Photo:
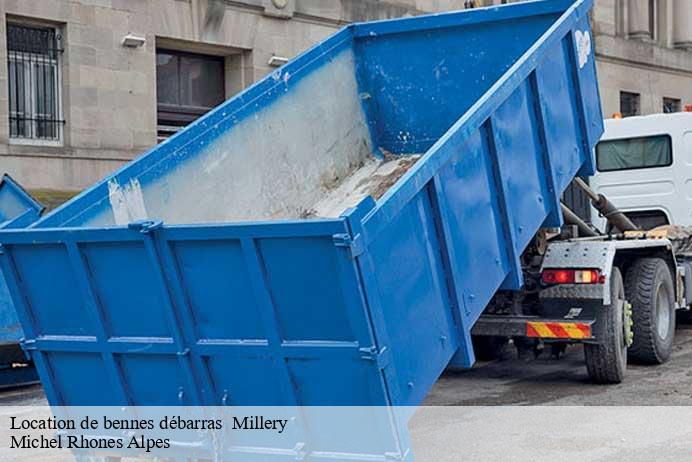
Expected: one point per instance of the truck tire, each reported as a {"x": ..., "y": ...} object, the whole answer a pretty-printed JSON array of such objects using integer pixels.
[
  {"x": 649, "y": 288},
  {"x": 488, "y": 348},
  {"x": 606, "y": 362}
]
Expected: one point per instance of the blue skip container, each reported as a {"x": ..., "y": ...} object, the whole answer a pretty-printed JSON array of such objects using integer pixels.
[
  {"x": 17, "y": 210},
  {"x": 330, "y": 235}
]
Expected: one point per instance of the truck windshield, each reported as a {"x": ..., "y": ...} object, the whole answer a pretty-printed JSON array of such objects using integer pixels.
[{"x": 634, "y": 153}]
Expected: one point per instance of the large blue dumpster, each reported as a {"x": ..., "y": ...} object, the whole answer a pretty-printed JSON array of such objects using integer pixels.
[
  {"x": 330, "y": 235},
  {"x": 17, "y": 210}
]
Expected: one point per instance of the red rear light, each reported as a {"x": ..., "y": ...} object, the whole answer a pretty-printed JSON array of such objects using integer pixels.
[
  {"x": 562, "y": 276},
  {"x": 572, "y": 276}
]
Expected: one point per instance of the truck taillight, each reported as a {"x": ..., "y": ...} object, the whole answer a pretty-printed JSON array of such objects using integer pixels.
[{"x": 572, "y": 276}]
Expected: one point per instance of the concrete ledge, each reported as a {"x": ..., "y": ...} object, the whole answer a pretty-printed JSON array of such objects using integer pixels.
[{"x": 643, "y": 54}]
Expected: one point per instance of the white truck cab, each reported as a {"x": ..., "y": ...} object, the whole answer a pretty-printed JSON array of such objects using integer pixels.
[{"x": 644, "y": 166}]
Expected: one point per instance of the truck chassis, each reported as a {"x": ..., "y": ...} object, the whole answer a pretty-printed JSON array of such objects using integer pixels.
[{"x": 616, "y": 294}]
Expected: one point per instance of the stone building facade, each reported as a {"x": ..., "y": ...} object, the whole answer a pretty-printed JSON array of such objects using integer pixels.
[
  {"x": 87, "y": 85},
  {"x": 643, "y": 50}
]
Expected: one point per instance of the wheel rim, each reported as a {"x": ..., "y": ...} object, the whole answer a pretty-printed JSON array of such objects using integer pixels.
[{"x": 662, "y": 312}]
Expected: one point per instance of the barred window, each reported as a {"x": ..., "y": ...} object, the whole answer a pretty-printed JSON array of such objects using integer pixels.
[{"x": 33, "y": 55}]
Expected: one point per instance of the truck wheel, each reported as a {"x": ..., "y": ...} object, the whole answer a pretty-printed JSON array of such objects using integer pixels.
[
  {"x": 607, "y": 361},
  {"x": 649, "y": 288},
  {"x": 488, "y": 348}
]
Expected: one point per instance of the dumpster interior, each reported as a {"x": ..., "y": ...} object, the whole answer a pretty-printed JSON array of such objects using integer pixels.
[
  {"x": 307, "y": 155},
  {"x": 277, "y": 164},
  {"x": 315, "y": 136},
  {"x": 373, "y": 178}
]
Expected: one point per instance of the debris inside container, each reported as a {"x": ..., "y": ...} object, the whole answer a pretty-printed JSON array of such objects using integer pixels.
[{"x": 373, "y": 178}]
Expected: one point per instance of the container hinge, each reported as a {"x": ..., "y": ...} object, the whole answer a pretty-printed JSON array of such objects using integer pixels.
[
  {"x": 355, "y": 244},
  {"x": 28, "y": 345},
  {"x": 380, "y": 357},
  {"x": 145, "y": 226}
]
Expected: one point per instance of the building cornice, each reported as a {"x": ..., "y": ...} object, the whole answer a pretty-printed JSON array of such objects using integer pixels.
[
  {"x": 643, "y": 55},
  {"x": 342, "y": 13}
]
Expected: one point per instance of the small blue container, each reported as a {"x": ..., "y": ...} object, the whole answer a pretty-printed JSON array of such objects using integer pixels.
[{"x": 17, "y": 210}]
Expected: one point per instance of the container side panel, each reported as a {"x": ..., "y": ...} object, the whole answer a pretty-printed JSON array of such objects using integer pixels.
[
  {"x": 561, "y": 115},
  {"x": 17, "y": 210},
  {"x": 475, "y": 222},
  {"x": 154, "y": 380},
  {"x": 176, "y": 315},
  {"x": 520, "y": 155},
  {"x": 585, "y": 62},
  {"x": 522, "y": 131},
  {"x": 50, "y": 288},
  {"x": 123, "y": 279},
  {"x": 81, "y": 378},
  {"x": 419, "y": 83},
  {"x": 371, "y": 432},
  {"x": 218, "y": 290},
  {"x": 415, "y": 299},
  {"x": 11, "y": 204},
  {"x": 303, "y": 279},
  {"x": 325, "y": 382},
  {"x": 10, "y": 329},
  {"x": 22, "y": 221},
  {"x": 245, "y": 378}
]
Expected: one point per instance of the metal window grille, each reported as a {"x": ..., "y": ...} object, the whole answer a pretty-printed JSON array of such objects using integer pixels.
[{"x": 33, "y": 61}]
